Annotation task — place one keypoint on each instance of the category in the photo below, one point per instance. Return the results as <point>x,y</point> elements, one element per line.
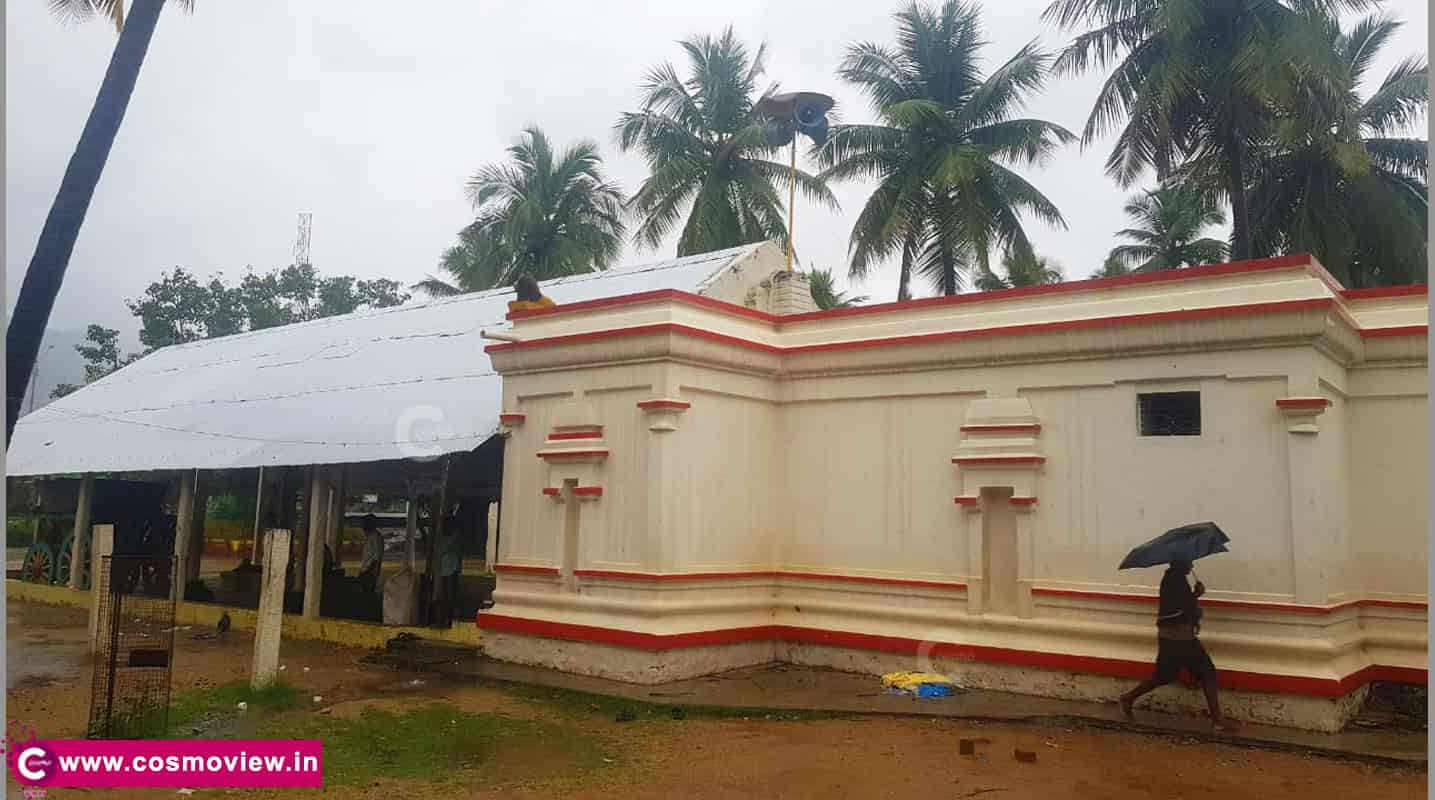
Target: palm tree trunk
<point>1236,188</point>
<point>949,272</point>
<point>62,227</point>
<point>904,277</point>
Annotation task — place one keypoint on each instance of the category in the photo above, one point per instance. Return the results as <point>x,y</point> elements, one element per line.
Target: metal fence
<point>129,696</point>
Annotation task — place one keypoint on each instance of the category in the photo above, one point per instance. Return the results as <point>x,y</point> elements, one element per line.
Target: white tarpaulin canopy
<point>373,386</point>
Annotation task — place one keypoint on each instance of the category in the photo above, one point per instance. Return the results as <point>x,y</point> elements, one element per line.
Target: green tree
<point>1112,267</point>
<point>101,355</point>
<point>1337,179</point>
<point>826,294</point>
<point>61,230</point>
<point>1169,222</point>
<point>707,158</point>
<point>544,213</point>
<point>943,151</point>
<point>1017,271</point>
<point>178,308</point>
<point>1191,79</point>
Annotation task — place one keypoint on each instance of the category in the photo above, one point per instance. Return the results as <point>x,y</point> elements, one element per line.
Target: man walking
<point>1178,626</point>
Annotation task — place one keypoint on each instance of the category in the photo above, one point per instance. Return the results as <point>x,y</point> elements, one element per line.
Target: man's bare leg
<point>1129,699</point>
<point>1213,704</point>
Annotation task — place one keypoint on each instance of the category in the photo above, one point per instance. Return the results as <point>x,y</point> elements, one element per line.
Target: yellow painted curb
<point>348,633</point>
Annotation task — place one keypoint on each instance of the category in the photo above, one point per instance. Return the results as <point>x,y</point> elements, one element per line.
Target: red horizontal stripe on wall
<point>1401,330</point>
<point>560,436</point>
<point>512,419</point>
<point>551,491</point>
<point>1302,402</point>
<point>1063,662</point>
<point>664,404</point>
<point>525,570</point>
<point>588,491</point>
<point>965,501</point>
<point>1386,291</point>
<point>1022,501</point>
<point>1251,605</point>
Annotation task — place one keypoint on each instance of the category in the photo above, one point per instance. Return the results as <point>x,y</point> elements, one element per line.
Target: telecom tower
<point>301,243</point>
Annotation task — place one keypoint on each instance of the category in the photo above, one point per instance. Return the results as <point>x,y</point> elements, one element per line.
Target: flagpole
<point>791,199</point>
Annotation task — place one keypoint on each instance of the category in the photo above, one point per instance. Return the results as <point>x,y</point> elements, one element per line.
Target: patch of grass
<point>580,703</point>
<point>204,705</point>
<point>439,743</point>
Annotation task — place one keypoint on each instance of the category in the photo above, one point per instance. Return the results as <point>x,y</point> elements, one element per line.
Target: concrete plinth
<point>625,664</point>
<point>102,543</point>
<point>269,623</point>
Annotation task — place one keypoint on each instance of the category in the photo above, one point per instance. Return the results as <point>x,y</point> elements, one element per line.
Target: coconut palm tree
<point>1112,267</point>
<point>1170,221</point>
<point>1020,271</point>
<point>826,294</point>
<point>943,149</point>
<point>1337,179</point>
<point>710,171</point>
<point>543,213</point>
<point>1190,79</point>
<point>62,226</point>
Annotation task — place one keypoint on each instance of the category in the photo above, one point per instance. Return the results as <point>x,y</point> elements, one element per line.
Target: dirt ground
<point>587,753</point>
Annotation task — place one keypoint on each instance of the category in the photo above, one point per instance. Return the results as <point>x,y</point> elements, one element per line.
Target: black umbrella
<point>1186,543</point>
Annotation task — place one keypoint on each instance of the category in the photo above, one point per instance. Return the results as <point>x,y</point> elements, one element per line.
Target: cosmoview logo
<point>418,430</point>
<point>33,764</point>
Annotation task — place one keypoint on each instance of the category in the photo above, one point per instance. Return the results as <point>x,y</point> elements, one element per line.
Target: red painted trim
<point>1064,662</point>
<point>965,500</point>
<point>551,491</point>
<point>1412,605</point>
<point>1302,402</point>
<point>1399,330</point>
<point>965,460</point>
<point>1218,312</point>
<point>588,491</point>
<point>678,404</point>
<point>654,296</point>
<point>637,330</point>
<point>622,575</point>
<point>1249,605</point>
<point>512,419</point>
<point>1386,291</point>
<point>573,454</point>
<point>1094,284</point>
<point>1016,427</point>
<point>673,328</point>
<point>1022,501</point>
<point>719,576</point>
<point>558,436</point>
<point>525,570</point>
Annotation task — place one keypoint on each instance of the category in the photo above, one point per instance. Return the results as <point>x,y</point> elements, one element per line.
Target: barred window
<point>1169,413</point>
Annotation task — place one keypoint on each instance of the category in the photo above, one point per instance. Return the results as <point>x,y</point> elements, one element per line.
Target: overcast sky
<point>371,115</point>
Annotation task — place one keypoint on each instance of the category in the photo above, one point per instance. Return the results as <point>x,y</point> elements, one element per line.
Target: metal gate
<point>129,695</point>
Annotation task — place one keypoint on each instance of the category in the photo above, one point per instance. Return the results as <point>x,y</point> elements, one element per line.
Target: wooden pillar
<point>201,513</point>
<point>440,529</point>
<point>183,531</point>
<point>319,491</point>
<point>411,533</point>
<point>305,490</point>
<point>257,545</point>
<point>80,538</point>
<point>102,543</point>
<point>334,533</point>
<point>268,625</point>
